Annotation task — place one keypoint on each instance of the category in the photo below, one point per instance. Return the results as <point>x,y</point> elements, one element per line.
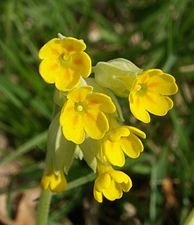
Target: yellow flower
<point>54,181</point>
<point>110,183</point>
<point>124,139</point>
<point>84,112</point>
<point>149,94</point>
<point>64,62</point>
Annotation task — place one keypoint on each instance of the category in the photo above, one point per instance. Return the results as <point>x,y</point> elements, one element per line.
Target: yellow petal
<point>98,195</point>
<point>123,179</point>
<point>52,49</point>
<point>54,182</point>
<point>59,184</point>
<point>67,108</point>
<point>48,69</point>
<point>71,44</point>
<point>157,104</point>
<point>72,125</point>
<point>137,131</point>
<point>95,124</point>
<point>116,134</point>
<point>132,146</point>
<point>66,79</point>
<point>80,94</point>
<point>151,72</point>
<point>114,192</point>
<point>113,152</point>
<point>103,182</point>
<point>45,181</point>
<point>127,186</point>
<point>119,176</point>
<point>81,63</point>
<point>103,101</point>
<point>137,108</point>
<point>164,84</point>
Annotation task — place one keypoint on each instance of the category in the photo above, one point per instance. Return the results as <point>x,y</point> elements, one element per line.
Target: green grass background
<point>152,34</point>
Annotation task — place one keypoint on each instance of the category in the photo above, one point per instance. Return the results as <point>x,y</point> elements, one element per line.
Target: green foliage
<point>152,34</point>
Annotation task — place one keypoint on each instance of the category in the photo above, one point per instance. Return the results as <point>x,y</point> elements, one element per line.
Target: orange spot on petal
<point>77,61</point>
<point>92,104</point>
<point>90,117</point>
<point>55,51</point>
<point>75,120</point>
<point>137,101</point>
<point>68,73</point>
<point>152,85</point>
<point>69,109</point>
<point>69,48</point>
<point>54,66</point>
<point>149,98</point>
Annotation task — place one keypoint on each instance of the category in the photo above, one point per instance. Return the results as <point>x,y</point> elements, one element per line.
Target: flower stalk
<point>43,207</point>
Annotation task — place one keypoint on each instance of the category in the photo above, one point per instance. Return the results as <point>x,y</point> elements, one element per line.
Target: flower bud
<point>117,75</point>
<point>90,149</point>
<point>60,152</point>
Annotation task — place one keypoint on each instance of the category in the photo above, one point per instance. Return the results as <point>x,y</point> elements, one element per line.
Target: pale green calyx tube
<point>117,75</point>
<point>60,152</point>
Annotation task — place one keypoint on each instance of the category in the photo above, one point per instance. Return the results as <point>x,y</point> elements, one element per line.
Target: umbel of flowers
<point>89,121</point>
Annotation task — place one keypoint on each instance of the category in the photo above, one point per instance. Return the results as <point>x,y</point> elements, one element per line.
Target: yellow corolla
<point>149,94</point>
<point>110,183</point>
<point>54,181</point>
<point>85,112</point>
<point>64,62</point>
<point>124,139</point>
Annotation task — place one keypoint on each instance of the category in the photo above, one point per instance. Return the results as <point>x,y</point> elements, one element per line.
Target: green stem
<point>43,207</point>
<point>80,181</point>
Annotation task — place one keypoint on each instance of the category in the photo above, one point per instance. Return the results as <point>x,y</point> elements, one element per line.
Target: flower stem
<point>80,181</point>
<point>43,207</point>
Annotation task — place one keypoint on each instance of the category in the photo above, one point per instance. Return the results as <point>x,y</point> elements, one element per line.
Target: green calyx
<point>117,75</point>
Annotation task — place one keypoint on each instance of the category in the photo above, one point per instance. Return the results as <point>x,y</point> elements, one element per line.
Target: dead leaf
<point>167,186</point>
<point>26,208</point>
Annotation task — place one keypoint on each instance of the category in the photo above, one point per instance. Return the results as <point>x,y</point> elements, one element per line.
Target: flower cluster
<point>89,121</point>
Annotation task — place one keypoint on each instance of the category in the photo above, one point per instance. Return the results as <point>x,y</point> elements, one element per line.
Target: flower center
<point>79,107</point>
<point>141,88</point>
<point>65,59</point>
<point>138,87</point>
